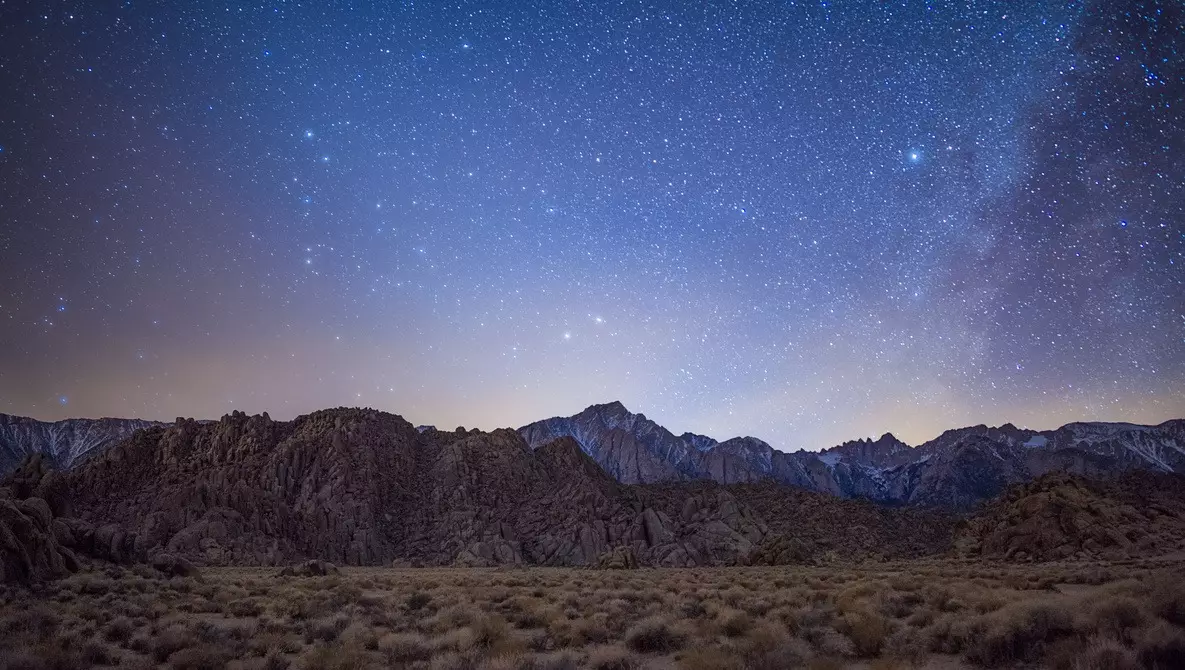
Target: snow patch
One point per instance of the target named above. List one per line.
(831, 459)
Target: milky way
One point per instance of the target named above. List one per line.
(807, 222)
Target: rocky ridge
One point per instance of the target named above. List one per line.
(63, 443)
(957, 470)
(1060, 516)
(360, 487)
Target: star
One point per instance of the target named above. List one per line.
(857, 243)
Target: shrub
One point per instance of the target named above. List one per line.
(561, 660)
(169, 641)
(1019, 632)
(1170, 604)
(736, 624)
(710, 658)
(771, 652)
(1161, 646)
(334, 657)
(119, 630)
(244, 608)
(202, 657)
(1103, 654)
(611, 657)
(94, 652)
(403, 648)
(1117, 617)
(907, 644)
(694, 609)
(653, 636)
(489, 631)
(325, 630)
(417, 601)
(867, 630)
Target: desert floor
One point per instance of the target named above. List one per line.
(934, 614)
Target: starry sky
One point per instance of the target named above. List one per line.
(803, 221)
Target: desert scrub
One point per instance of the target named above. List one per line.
(877, 616)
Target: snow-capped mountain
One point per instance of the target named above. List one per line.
(64, 443)
(957, 469)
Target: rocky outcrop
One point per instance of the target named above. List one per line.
(36, 542)
(29, 551)
(957, 470)
(63, 444)
(173, 566)
(360, 487)
(1061, 516)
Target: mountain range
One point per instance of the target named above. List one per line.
(363, 487)
(956, 470)
(63, 444)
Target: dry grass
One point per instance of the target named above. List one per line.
(932, 614)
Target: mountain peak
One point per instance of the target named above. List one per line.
(613, 407)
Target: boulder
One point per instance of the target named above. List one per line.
(29, 552)
(173, 566)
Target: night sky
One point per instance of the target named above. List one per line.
(803, 221)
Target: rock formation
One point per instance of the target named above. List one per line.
(360, 487)
(37, 542)
(1061, 516)
(957, 470)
